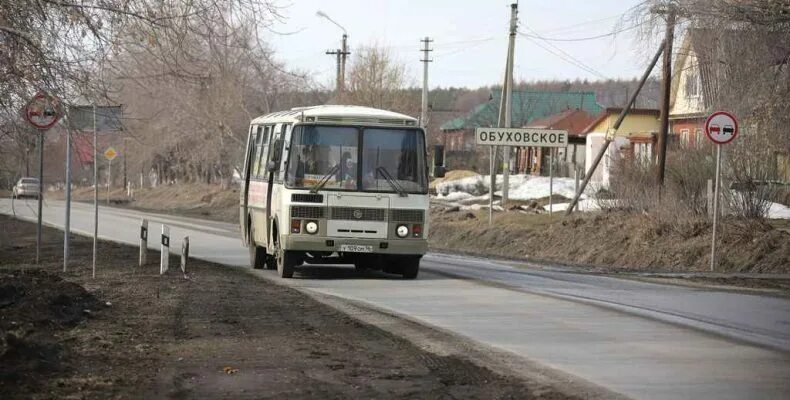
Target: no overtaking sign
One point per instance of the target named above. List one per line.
(521, 137)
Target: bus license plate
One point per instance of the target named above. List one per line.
(356, 248)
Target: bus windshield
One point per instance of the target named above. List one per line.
(386, 159)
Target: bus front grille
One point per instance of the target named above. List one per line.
(414, 216)
(307, 198)
(307, 212)
(358, 214)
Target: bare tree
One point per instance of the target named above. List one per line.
(377, 80)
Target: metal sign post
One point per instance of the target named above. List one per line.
(95, 194)
(551, 181)
(67, 225)
(42, 112)
(721, 128)
(94, 118)
(110, 155)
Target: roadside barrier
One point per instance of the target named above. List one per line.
(184, 254)
(143, 242)
(164, 261)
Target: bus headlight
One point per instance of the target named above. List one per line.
(311, 227)
(402, 231)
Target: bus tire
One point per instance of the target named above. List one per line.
(257, 253)
(286, 263)
(257, 256)
(271, 262)
(409, 267)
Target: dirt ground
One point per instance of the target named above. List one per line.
(220, 333)
(615, 241)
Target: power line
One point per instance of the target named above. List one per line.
(564, 55)
(569, 60)
(582, 39)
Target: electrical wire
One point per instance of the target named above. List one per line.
(562, 54)
(582, 39)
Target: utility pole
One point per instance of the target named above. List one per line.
(341, 53)
(425, 60)
(343, 56)
(338, 79)
(666, 79)
(508, 99)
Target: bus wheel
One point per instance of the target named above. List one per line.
(286, 263)
(257, 254)
(271, 262)
(409, 267)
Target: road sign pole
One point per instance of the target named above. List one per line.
(109, 180)
(491, 163)
(40, 192)
(67, 225)
(551, 181)
(95, 193)
(715, 209)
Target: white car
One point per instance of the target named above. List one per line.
(26, 187)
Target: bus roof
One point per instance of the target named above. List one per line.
(338, 114)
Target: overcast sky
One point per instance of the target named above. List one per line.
(470, 38)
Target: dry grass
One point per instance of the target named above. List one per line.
(198, 200)
(616, 240)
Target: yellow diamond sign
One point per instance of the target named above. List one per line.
(110, 154)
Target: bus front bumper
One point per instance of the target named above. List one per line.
(377, 246)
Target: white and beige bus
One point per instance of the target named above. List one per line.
(335, 185)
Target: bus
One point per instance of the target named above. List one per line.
(335, 184)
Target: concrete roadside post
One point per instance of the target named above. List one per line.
(165, 250)
(143, 242)
(184, 255)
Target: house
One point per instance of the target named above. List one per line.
(708, 61)
(535, 159)
(636, 139)
(690, 92)
(526, 106)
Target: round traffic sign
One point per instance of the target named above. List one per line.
(42, 111)
(721, 127)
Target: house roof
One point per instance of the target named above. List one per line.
(574, 121)
(526, 106)
(617, 110)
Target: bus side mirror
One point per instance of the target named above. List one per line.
(439, 171)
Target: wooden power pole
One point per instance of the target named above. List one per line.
(666, 81)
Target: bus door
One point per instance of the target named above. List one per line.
(249, 158)
(271, 176)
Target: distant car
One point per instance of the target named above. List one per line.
(26, 187)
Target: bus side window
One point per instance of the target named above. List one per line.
(264, 153)
(286, 136)
(256, 139)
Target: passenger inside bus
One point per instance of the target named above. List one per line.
(347, 174)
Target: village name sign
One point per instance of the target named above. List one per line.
(521, 137)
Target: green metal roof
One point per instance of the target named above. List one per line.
(525, 106)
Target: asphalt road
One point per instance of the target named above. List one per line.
(643, 340)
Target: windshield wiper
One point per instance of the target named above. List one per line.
(395, 185)
(324, 179)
